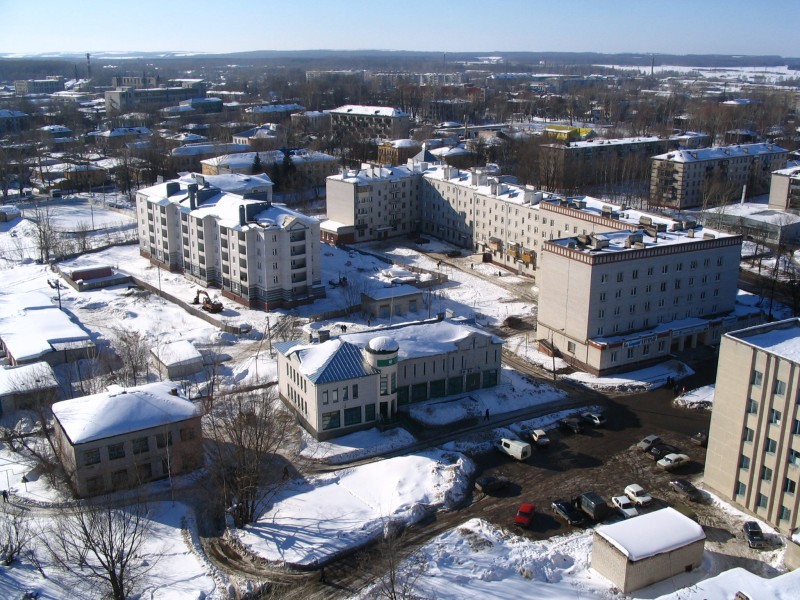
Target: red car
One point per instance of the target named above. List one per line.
(525, 515)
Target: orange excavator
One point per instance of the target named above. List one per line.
(208, 305)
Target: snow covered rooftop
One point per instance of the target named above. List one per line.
(781, 338)
(120, 411)
(177, 353)
(235, 183)
(31, 326)
(393, 291)
(215, 148)
(369, 173)
(758, 211)
(332, 360)
(719, 153)
(651, 534)
(240, 160)
(27, 378)
(372, 111)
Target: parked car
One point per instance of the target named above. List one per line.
(593, 505)
(566, 511)
(525, 514)
(659, 451)
(686, 489)
(453, 253)
(648, 441)
(753, 534)
(571, 424)
(489, 484)
(517, 449)
(624, 506)
(700, 439)
(638, 495)
(673, 461)
(539, 437)
(596, 419)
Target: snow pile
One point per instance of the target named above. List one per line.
(354, 446)
(701, 398)
(314, 519)
(634, 381)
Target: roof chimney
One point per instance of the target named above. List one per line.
(242, 215)
(192, 187)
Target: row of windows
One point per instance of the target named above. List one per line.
(142, 445)
(352, 416)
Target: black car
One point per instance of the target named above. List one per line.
(571, 424)
(686, 489)
(489, 484)
(700, 439)
(566, 511)
(659, 451)
(753, 534)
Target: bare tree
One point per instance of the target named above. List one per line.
(46, 235)
(133, 350)
(98, 544)
(246, 431)
(395, 572)
(15, 533)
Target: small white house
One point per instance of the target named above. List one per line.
(637, 552)
(177, 359)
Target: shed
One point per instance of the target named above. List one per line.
(178, 359)
(26, 387)
(637, 552)
(397, 300)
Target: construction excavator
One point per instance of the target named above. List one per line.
(208, 305)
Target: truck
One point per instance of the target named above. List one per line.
(514, 448)
(593, 505)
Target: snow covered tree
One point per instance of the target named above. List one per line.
(133, 350)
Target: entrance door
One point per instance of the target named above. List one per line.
(384, 409)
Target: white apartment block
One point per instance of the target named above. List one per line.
(753, 457)
(784, 190)
(353, 382)
(224, 231)
(688, 178)
(369, 122)
(614, 301)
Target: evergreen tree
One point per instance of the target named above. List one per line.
(257, 164)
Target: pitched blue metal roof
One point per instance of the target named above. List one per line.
(345, 362)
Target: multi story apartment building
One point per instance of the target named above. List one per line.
(753, 457)
(397, 152)
(50, 85)
(614, 301)
(369, 122)
(127, 98)
(689, 178)
(341, 385)
(224, 231)
(13, 121)
(568, 166)
(784, 189)
(126, 437)
(312, 167)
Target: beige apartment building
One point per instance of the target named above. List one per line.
(753, 457)
(340, 385)
(312, 167)
(369, 122)
(224, 231)
(784, 189)
(126, 437)
(689, 178)
(613, 301)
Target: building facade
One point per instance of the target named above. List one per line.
(224, 231)
(690, 178)
(620, 300)
(753, 457)
(311, 167)
(784, 189)
(353, 382)
(369, 122)
(126, 437)
(50, 85)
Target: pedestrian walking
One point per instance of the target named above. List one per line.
(285, 473)
(322, 578)
(5, 495)
(486, 417)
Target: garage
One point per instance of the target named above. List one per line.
(641, 551)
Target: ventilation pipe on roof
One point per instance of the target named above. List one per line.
(192, 187)
(242, 215)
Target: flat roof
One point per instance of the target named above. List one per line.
(781, 338)
(27, 378)
(665, 530)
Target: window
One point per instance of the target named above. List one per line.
(794, 457)
(789, 486)
(604, 278)
(144, 472)
(748, 434)
(771, 445)
(614, 356)
(774, 416)
(116, 451)
(744, 462)
(796, 427)
(355, 391)
(620, 277)
(384, 385)
(352, 416)
(779, 389)
(187, 433)
(325, 397)
(91, 457)
(741, 489)
(766, 474)
(94, 484)
(762, 501)
(119, 478)
(785, 514)
(162, 440)
(571, 347)
(369, 412)
(330, 420)
(141, 445)
(752, 407)
(335, 395)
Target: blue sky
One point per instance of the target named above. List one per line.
(672, 26)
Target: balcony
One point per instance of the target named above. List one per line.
(298, 251)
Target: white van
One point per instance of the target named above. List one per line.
(514, 448)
